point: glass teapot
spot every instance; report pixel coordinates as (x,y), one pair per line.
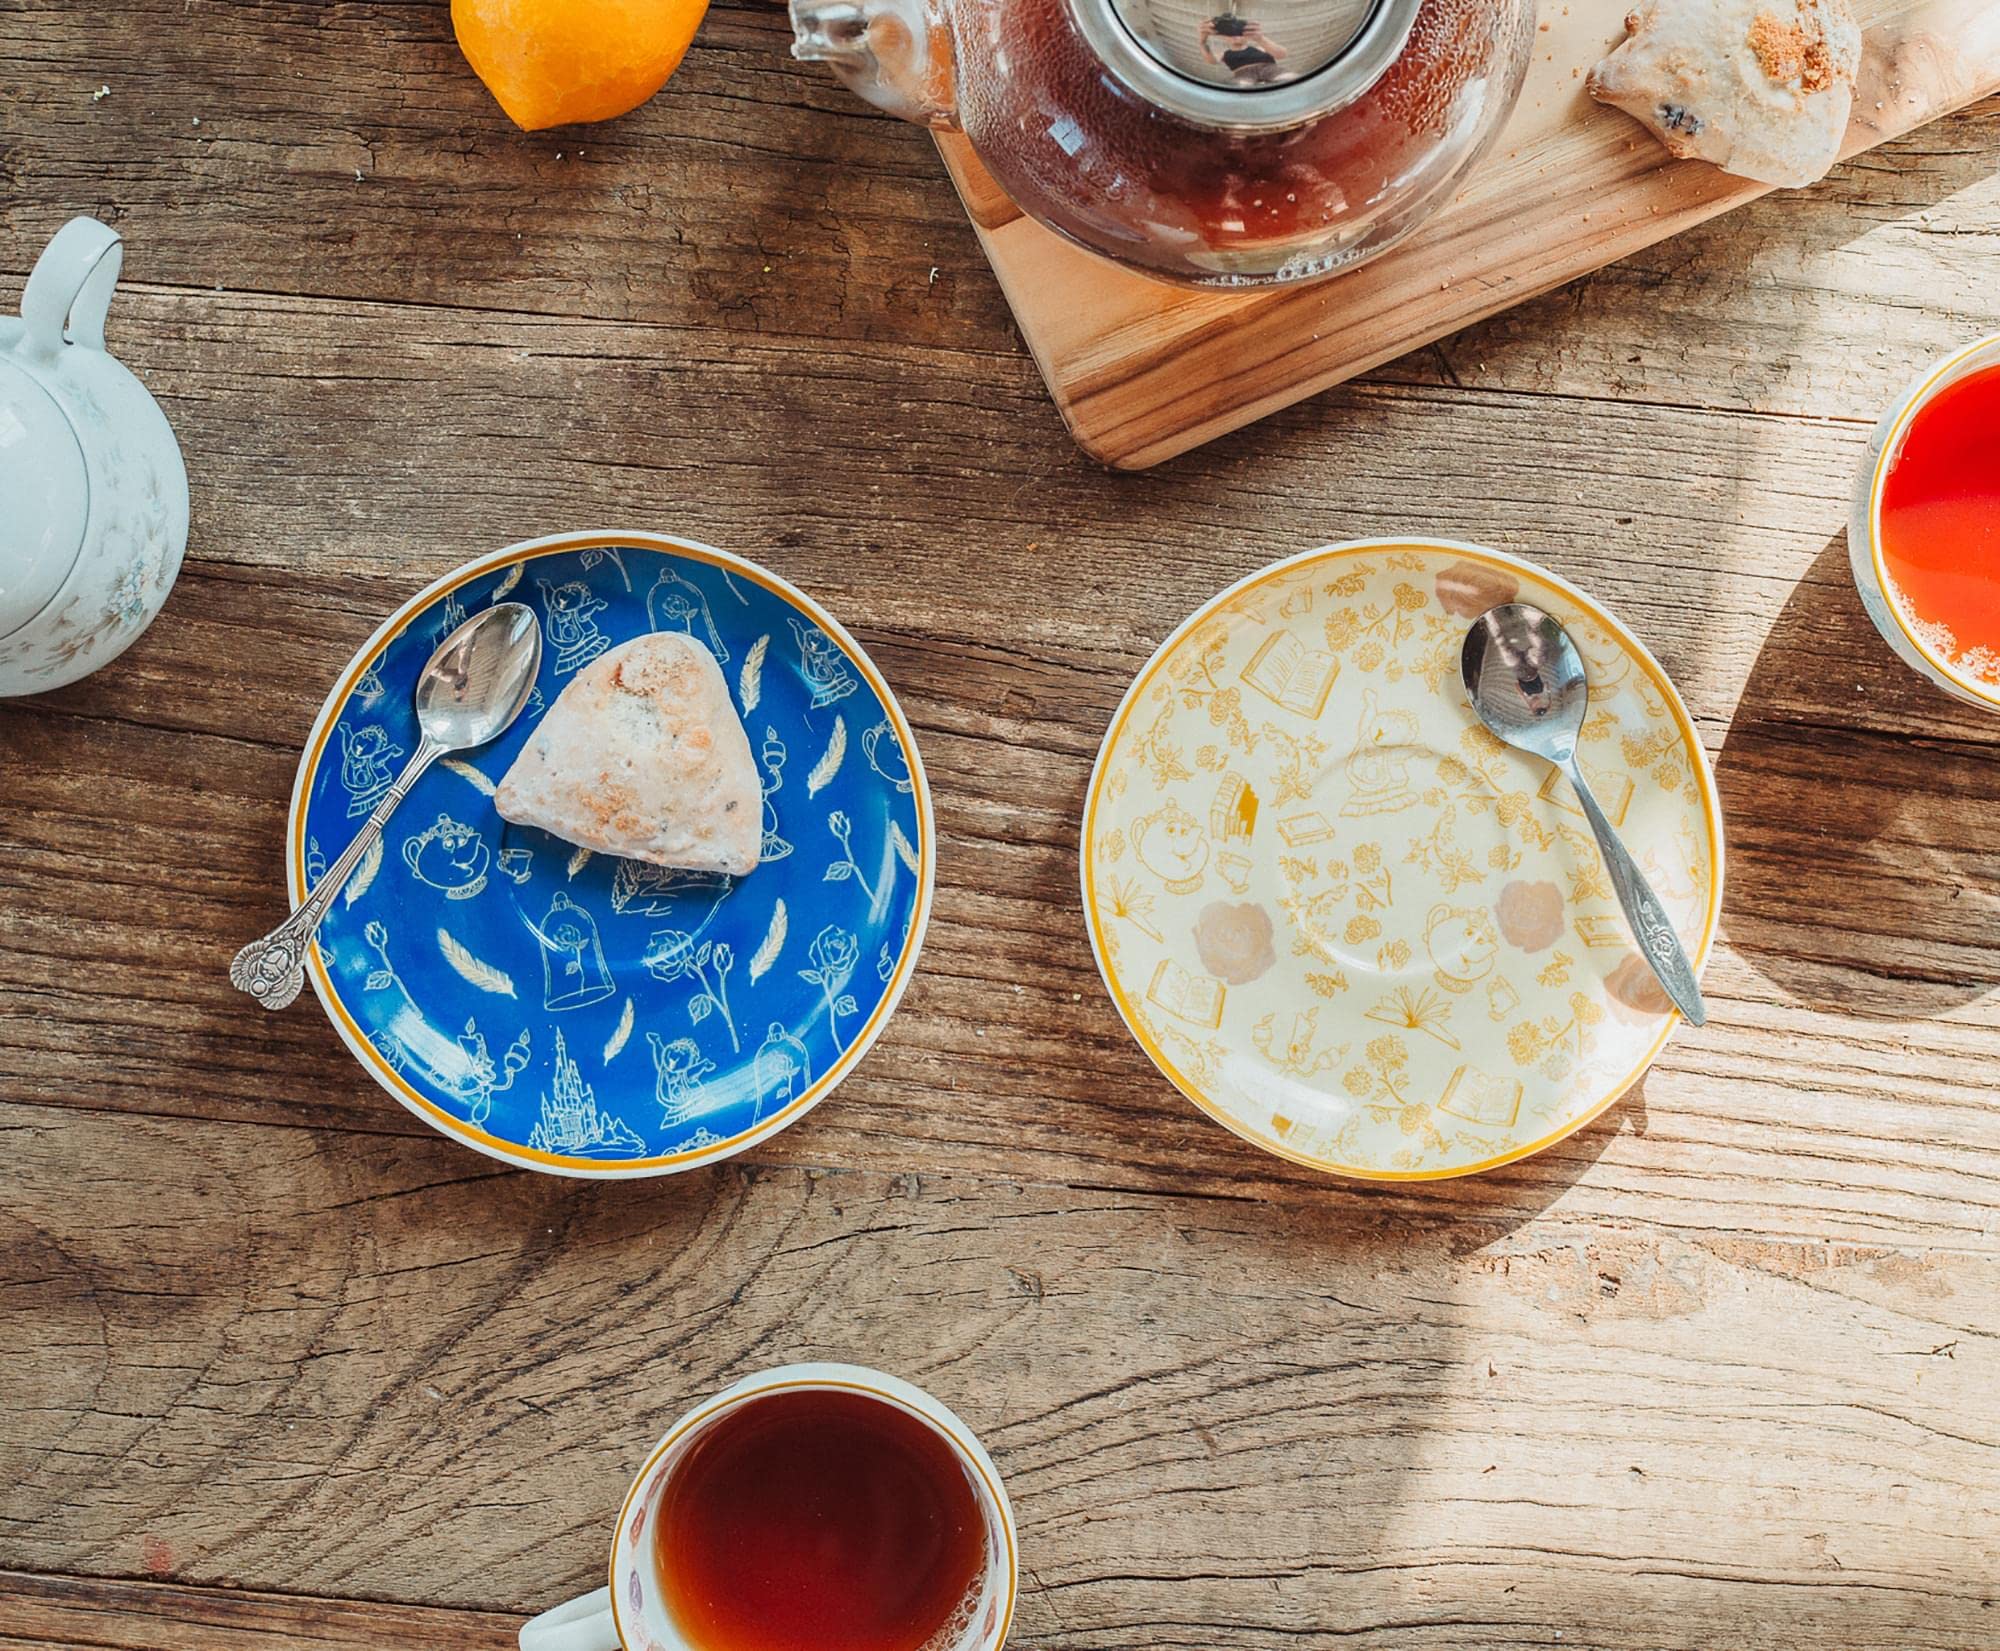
(1212,142)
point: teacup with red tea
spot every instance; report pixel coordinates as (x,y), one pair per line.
(1925,537)
(813,1508)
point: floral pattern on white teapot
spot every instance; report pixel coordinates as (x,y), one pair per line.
(88,561)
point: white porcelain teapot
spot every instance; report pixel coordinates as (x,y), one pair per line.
(93,494)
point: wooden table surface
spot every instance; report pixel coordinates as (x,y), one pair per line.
(279,1366)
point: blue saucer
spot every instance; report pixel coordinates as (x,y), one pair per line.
(588,1015)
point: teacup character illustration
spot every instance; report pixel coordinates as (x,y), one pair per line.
(1172,846)
(450,857)
(1378,769)
(1462,945)
(885,755)
(572,625)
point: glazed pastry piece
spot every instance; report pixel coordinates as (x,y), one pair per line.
(1762,88)
(643,755)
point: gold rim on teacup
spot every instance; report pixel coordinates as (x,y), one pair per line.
(628,1613)
(1880,599)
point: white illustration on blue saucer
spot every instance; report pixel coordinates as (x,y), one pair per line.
(833,953)
(451,615)
(673,955)
(885,755)
(450,857)
(574,973)
(571,1124)
(772,756)
(587,559)
(782,1069)
(676,603)
(481,1081)
(368,759)
(642,890)
(823,665)
(678,1069)
(571,626)
(749,1005)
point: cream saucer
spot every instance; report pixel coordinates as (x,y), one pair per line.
(1345,920)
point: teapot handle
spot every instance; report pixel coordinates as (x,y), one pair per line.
(69,289)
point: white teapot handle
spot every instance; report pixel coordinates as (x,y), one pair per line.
(69,289)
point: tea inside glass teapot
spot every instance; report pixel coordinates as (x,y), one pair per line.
(1214,142)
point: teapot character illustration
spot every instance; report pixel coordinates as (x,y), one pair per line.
(678,1070)
(368,760)
(1268,141)
(1463,945)
(572,626)
(677,603)
(450,857)
(1378,768)
(1171,844)
(887,757)
(93,494)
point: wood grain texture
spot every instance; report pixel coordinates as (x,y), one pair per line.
(1142,371)
(281,1367)
(385,1369)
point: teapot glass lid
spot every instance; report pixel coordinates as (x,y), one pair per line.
(1245,45)
(1247,63)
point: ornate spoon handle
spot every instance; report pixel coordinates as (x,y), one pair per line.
(273,969)
(1651,926)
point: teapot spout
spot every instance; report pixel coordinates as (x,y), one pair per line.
(895,53)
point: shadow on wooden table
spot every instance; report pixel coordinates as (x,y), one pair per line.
(1864,876)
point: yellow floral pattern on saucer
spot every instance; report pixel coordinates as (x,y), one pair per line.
(1348,922)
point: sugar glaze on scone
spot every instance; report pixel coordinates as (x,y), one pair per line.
(643,755)
(1761,88)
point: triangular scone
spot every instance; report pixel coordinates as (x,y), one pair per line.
(643,755)
(1762,88)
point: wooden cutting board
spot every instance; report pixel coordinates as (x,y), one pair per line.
(1142,371)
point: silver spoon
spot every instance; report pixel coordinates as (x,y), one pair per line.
(470,692)
(1527,683)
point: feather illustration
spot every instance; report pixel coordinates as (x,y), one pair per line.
(619,1035)
(364,874)
(472,777)
(513,578)
(906,851)
(751,684)
(471,970)
(774,943)
(578,861)
(829,765)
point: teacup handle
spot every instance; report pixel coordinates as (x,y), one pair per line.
(583,1624)
(69,289)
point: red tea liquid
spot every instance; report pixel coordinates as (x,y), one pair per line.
(1941,523)
(818,1521)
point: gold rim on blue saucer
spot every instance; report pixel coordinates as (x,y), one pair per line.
(1339,915)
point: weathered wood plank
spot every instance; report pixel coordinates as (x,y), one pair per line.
(43,1613)
(756,197)
(141,811)
(353,1365)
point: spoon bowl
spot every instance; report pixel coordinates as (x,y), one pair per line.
(481,675)
(1526,680)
